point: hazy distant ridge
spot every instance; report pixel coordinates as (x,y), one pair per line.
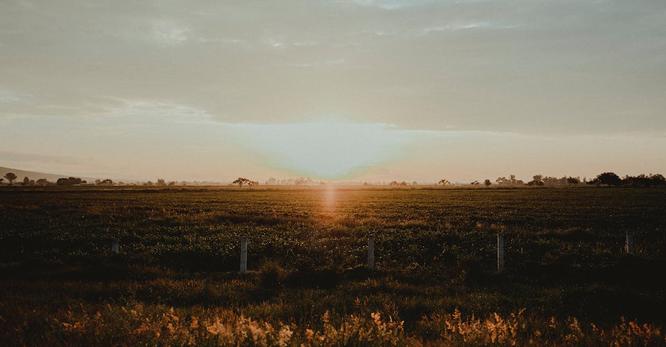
(33,175)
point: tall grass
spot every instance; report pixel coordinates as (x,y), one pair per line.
(134,325)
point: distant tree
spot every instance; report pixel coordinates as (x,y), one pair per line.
(475,183)
(69,181)
(537,180)
(487,183)
(42,182)
(636,181)
(10,176)
(658,179)
(573,180)
(511,181)
(444,182)
(161,182)
(608,179)
(241,181)
(644,180)
(26,181)
(1,180)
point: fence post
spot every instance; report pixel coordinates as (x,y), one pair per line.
(500,252)
(371,253)
(628,243)
(115,246)
(243,256)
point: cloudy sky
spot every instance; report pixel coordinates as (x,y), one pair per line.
(352,90)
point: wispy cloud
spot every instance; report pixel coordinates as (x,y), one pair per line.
(8,96)
(314,64)
(451,27)
(390,5)
(168,33)
(221,40)
(307,43)
(470,26)
(149,111)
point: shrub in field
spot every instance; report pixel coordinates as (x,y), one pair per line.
(271,277)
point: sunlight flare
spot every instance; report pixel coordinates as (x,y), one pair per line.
(329,150)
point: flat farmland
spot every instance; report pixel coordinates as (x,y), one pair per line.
(435,265)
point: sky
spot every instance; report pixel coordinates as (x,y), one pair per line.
(365,90)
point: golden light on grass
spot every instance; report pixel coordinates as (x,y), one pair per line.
(329,200)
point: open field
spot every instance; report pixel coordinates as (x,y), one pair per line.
(435,255)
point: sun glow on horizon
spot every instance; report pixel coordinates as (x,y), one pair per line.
(329,150)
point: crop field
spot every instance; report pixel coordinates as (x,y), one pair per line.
(175,279)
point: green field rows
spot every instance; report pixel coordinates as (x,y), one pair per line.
(435,252)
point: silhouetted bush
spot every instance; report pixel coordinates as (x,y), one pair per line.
(607,178)
(644,180)
(43,182)
(70,181)
(537,180)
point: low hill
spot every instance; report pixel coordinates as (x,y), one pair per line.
(33,175)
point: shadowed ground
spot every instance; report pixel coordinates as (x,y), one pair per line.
(435,252)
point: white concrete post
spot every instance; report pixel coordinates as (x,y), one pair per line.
(115,246)
(500,252)
(371,253)
(628,243)
(243,256)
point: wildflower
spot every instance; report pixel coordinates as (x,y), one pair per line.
(194,324)
(216,327)
(284,336)
(309,335)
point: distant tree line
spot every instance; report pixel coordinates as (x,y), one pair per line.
(11,177)
(603,179)
(609,179)
(612,179)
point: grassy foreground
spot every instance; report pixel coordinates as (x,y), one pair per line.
(175,280)
(160,325)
